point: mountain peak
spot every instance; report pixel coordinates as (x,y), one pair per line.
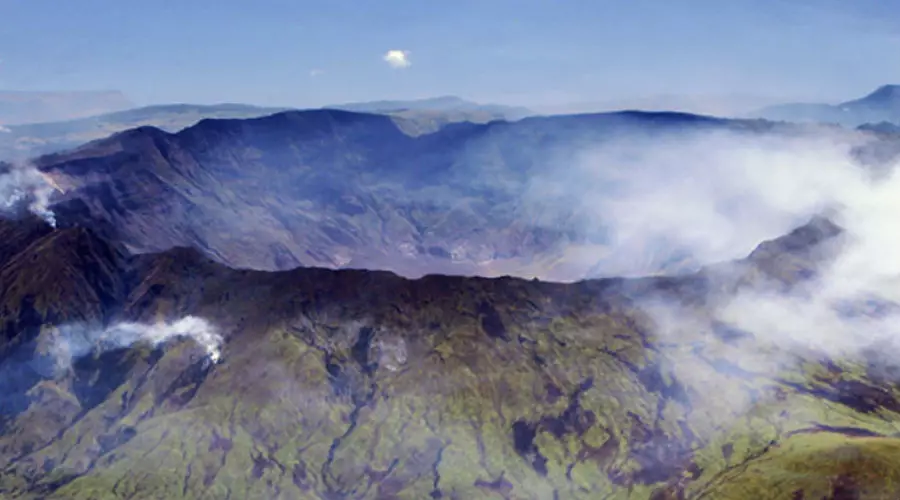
(885,96)
(885,92)
(881,105)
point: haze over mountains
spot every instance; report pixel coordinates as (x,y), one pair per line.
(724,105)
(550,197)
(39,136)
(18,107)
(48,122)
(406,250)
(20,142)
(361,384)
(318,304)
(443,104)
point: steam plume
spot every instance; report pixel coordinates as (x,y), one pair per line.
(74,341)
(717,196)
(23,184)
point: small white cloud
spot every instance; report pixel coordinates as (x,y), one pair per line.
(397,58)
(316,72)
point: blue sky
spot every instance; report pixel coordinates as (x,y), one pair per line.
(308,53)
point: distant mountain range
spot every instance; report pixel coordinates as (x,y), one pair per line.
(35,123)
(443,104)
(175,332)
(18,107)
(724,105)
(423,116)
(882,105)
(19,142)
(338,189)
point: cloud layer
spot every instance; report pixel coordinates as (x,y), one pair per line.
(704,196)
(716,196)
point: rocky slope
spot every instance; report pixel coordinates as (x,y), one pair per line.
(362,384)
(339,189)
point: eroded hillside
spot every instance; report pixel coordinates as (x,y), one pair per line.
(559,198)
(361,384)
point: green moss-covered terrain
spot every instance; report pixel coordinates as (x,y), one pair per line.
(362,384)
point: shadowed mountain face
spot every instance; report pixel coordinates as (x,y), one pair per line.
(361,384)
(339,189)
(882,105)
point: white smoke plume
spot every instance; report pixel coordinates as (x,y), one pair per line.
(74,341)
(24,184)
(712,196)
(855,301)
(716,196)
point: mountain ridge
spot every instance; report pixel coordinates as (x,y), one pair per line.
(447,103)
(342,189)
(21,141)
(332,362)
(886,95)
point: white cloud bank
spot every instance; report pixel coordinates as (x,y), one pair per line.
(718,195)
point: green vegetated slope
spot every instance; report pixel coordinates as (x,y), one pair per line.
(360,384)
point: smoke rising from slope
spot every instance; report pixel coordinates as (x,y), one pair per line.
(855,300)
(705,197)
(74,341)
(716,196)
(23,184)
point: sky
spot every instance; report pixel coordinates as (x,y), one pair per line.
(528,52)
